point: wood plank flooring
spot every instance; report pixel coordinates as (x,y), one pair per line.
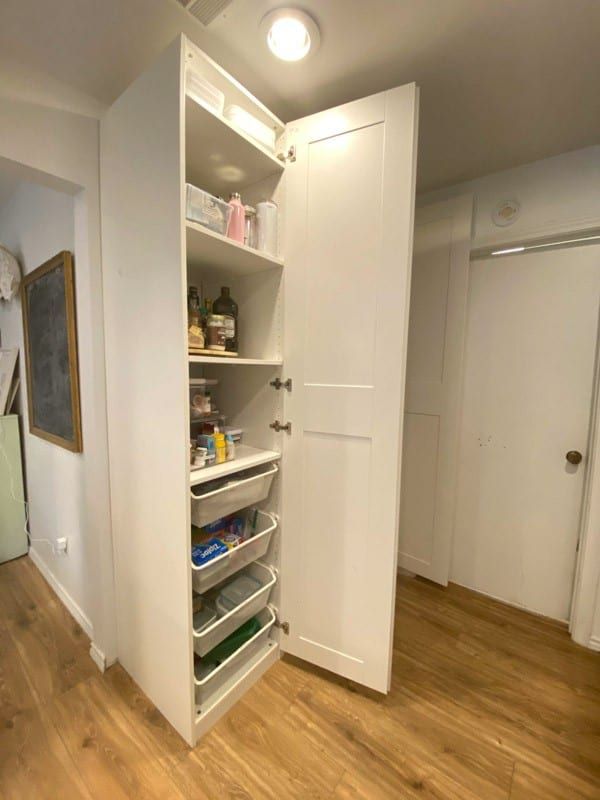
(488,703)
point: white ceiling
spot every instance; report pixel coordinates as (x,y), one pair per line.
(503,82)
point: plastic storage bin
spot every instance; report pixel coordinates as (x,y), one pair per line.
(207,210)
(203,92)
(233,493)
(248,123)
(220,568)
(220,629)
(208,686)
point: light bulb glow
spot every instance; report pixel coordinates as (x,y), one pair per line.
(288,39)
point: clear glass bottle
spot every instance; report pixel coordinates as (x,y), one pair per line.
(250,226)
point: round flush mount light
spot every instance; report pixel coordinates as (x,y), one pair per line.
(506,212)
(291,34)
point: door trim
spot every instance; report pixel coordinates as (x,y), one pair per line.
(585,602)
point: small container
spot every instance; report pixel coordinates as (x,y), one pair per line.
(220,448)
(249,226)
(203,92)
(229,447)
(200,457)
(204,208)
(236,592)
(266,227)
(235,229)
(216,332)
(203,618)
(252,126)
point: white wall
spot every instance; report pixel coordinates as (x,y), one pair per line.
(35,224)
(60,150)
(556,195)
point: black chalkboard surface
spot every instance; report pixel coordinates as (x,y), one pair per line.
(51,352)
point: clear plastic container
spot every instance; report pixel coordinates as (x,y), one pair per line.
(203,92)
(248,123)
(207,210)
(219,629)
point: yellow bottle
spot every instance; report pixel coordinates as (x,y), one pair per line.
(220,448)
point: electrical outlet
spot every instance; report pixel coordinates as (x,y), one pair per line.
(60,546)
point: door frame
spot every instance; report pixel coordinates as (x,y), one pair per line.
(585,601)
(585,598)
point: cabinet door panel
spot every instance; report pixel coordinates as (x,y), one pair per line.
(348,238)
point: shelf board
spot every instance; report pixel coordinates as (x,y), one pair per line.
(246,457)
(259,362)
(211,250)
(220,158)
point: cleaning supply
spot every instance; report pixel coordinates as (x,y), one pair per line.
(204,552)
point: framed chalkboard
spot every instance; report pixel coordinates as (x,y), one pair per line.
(48,301)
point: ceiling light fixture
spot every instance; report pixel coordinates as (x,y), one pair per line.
(290,33)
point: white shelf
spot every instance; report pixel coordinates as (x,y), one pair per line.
(259,362)
(211,250)
(220,158)
(246,457)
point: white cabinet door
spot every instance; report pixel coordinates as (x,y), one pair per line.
(348,239)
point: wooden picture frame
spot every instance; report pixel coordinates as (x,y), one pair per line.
(49,325)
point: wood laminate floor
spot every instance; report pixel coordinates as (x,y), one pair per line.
(488,703)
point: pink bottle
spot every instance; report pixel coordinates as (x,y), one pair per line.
(235,229)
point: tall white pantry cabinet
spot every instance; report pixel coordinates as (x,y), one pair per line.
(328,318)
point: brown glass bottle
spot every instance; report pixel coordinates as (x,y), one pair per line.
(225,305)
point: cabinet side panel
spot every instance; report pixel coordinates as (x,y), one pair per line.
(144,289)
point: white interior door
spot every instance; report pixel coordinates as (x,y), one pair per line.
(438,309)
(529,364)
(349,219)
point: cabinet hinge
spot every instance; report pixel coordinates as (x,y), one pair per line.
(278,426)
(288,157)
(278,384)
(284,626)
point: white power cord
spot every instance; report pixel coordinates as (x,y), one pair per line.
(13,493)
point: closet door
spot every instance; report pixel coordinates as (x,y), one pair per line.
(348,239)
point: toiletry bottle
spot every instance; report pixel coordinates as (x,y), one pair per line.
(229,447)
(235,229)
(220,448)
(228,308)
(195,333)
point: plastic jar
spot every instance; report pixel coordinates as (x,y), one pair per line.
(215,332)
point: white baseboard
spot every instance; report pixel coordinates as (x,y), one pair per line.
(97,657)
(62,594)
(594,643)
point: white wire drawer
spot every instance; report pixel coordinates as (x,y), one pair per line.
(220,629)
(209,685)
(217,569)
(232,495)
